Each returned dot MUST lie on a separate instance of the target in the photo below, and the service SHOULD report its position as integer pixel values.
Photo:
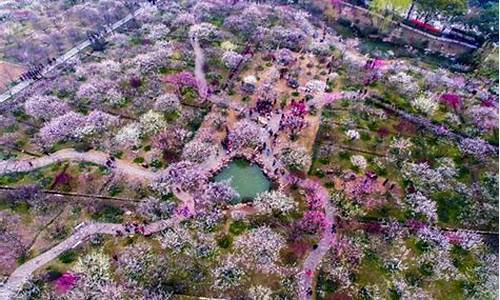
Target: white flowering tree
(94, 270)
(155, 31)
(296, 158)
(198, 150)
(175, 238)
(228, 46)
(291, 38)
(359, 161)
(420, 204)
(167, 102)
(260, 292)
(75, 126)
(105, 69)
(135, 261)
(99, 91)
(320, 48)
(260, 248)
(152, 122)
(129, 135)
(352, 134)
(228, 274)
(315, 86)
(232, 59)
(400, 149)
(214, 193)
(270, 202)
(203, 31)
(95, 124)
(156, 57)
(153, 209)
(425, 103)
(404, 83)
(426, 179)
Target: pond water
(246, 178)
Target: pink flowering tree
(294, 119)
(66, 282)
(313, 221)
(61, 128)
(451, 100)
(484, 117)
(75, 126)
(245, 134)
(476, 147)
(232, 59)
(284, 56)
(198, 150)
(167, 103)
(214, 193)
(291, 38)
(170, 141)
(45, 107)
(246, 22)
(184, 79)
(184, 175)
(97, 122)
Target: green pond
(246, 178)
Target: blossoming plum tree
(45, 107)
(274, 202)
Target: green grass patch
(237, 227)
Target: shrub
(115, 190)
(237, 227)
(139, 160)
(108, 213)
(225, 242)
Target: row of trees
(476, 16)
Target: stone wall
(373, 23)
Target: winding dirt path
(310, 265)
(24, 271)
(198, 68)
(313, 260)
(97, 157)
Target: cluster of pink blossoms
(314, 220)
(182, 79)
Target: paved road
(16, 89)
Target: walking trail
(16, 89)
(266, 160)
(313, 260)
(100, 158)
(198, 68)
(22, 274)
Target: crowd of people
(131, 228)
(35, 72)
